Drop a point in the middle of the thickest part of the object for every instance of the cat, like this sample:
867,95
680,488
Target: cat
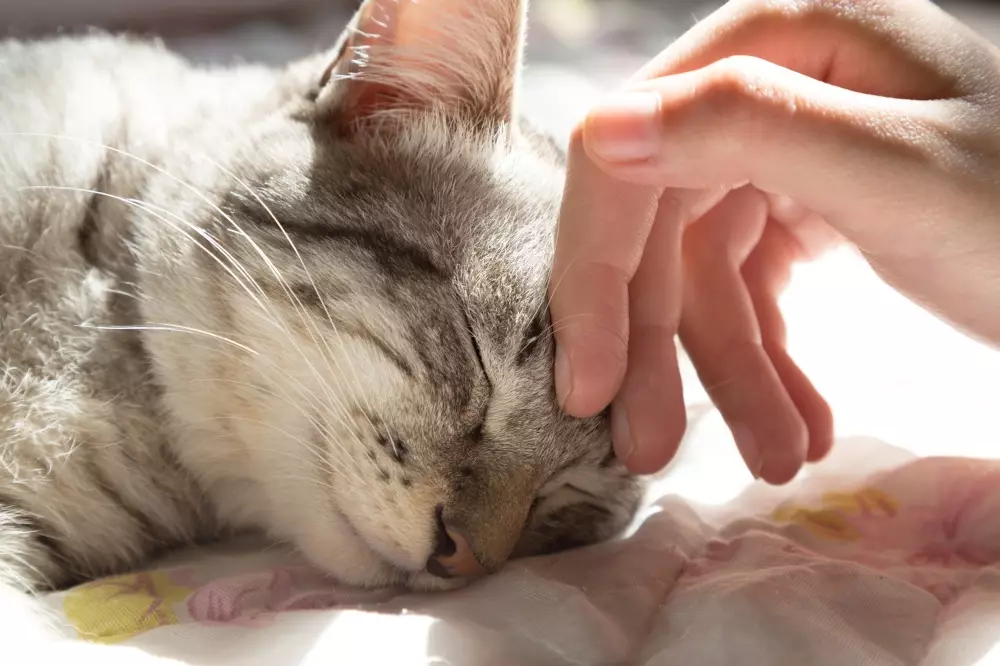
307,301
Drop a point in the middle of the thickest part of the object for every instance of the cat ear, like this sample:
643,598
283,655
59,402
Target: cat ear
457,58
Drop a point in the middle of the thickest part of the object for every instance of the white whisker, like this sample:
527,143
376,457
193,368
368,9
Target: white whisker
153,210
201,195
308,273
173,329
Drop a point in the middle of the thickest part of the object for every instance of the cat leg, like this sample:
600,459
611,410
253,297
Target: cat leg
26,566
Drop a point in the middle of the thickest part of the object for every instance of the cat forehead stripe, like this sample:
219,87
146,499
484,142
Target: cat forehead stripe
394,255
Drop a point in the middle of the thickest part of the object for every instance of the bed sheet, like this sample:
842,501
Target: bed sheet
879,558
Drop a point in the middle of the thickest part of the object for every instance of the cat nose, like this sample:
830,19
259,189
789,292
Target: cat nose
453,555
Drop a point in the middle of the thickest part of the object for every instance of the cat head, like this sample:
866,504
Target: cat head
403,218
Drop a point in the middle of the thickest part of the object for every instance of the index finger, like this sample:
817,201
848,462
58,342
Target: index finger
866,46
603,227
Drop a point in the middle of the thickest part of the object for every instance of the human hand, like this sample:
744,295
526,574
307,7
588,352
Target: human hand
879,120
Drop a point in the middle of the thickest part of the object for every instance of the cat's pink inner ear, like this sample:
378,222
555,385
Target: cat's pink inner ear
459,58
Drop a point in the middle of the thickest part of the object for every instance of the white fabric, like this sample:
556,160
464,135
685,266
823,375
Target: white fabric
878,556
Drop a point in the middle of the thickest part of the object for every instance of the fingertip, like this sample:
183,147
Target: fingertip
821,432
651,402
656,452
589,372
564,376
624,129
659,433
814,410
785,454
621,432
779,474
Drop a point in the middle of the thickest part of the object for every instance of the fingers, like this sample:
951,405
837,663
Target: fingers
766,273
720,331
811,234
649,418
602,231
746,120
818,101
866,46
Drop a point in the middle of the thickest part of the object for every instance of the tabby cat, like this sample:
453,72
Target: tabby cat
308,302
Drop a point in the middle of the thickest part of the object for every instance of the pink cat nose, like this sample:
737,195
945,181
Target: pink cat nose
452,556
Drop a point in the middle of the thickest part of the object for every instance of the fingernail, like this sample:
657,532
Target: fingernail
621,433
625,127
746,442
564,377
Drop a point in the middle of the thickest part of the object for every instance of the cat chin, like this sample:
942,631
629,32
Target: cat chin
337,549
349,559
374,572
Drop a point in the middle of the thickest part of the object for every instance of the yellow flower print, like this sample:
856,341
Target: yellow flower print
831,519
865,502
112,610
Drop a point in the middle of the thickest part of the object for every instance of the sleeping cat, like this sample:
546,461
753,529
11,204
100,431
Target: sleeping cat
309,302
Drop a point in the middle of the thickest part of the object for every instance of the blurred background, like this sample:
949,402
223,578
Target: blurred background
577,48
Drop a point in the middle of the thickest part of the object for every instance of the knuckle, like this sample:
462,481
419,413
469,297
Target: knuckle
735,81
725,238
751,202
959,132
742,96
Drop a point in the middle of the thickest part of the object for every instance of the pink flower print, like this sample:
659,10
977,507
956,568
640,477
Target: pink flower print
253,600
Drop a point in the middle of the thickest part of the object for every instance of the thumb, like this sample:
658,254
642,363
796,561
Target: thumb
745,120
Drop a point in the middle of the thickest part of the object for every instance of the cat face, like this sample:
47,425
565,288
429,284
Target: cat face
412,217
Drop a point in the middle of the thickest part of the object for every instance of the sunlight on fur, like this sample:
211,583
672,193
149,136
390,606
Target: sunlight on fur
305,302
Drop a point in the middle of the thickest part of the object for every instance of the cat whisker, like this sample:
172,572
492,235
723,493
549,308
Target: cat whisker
309,446
547,303
173,329
323,486
154,211
562,323
315,402
330,393
302,389
309,276
178,180
18,248
311,418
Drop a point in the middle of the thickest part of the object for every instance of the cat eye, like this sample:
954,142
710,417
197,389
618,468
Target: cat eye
532,337
479,355
609,458
477,350
578,489
478,433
